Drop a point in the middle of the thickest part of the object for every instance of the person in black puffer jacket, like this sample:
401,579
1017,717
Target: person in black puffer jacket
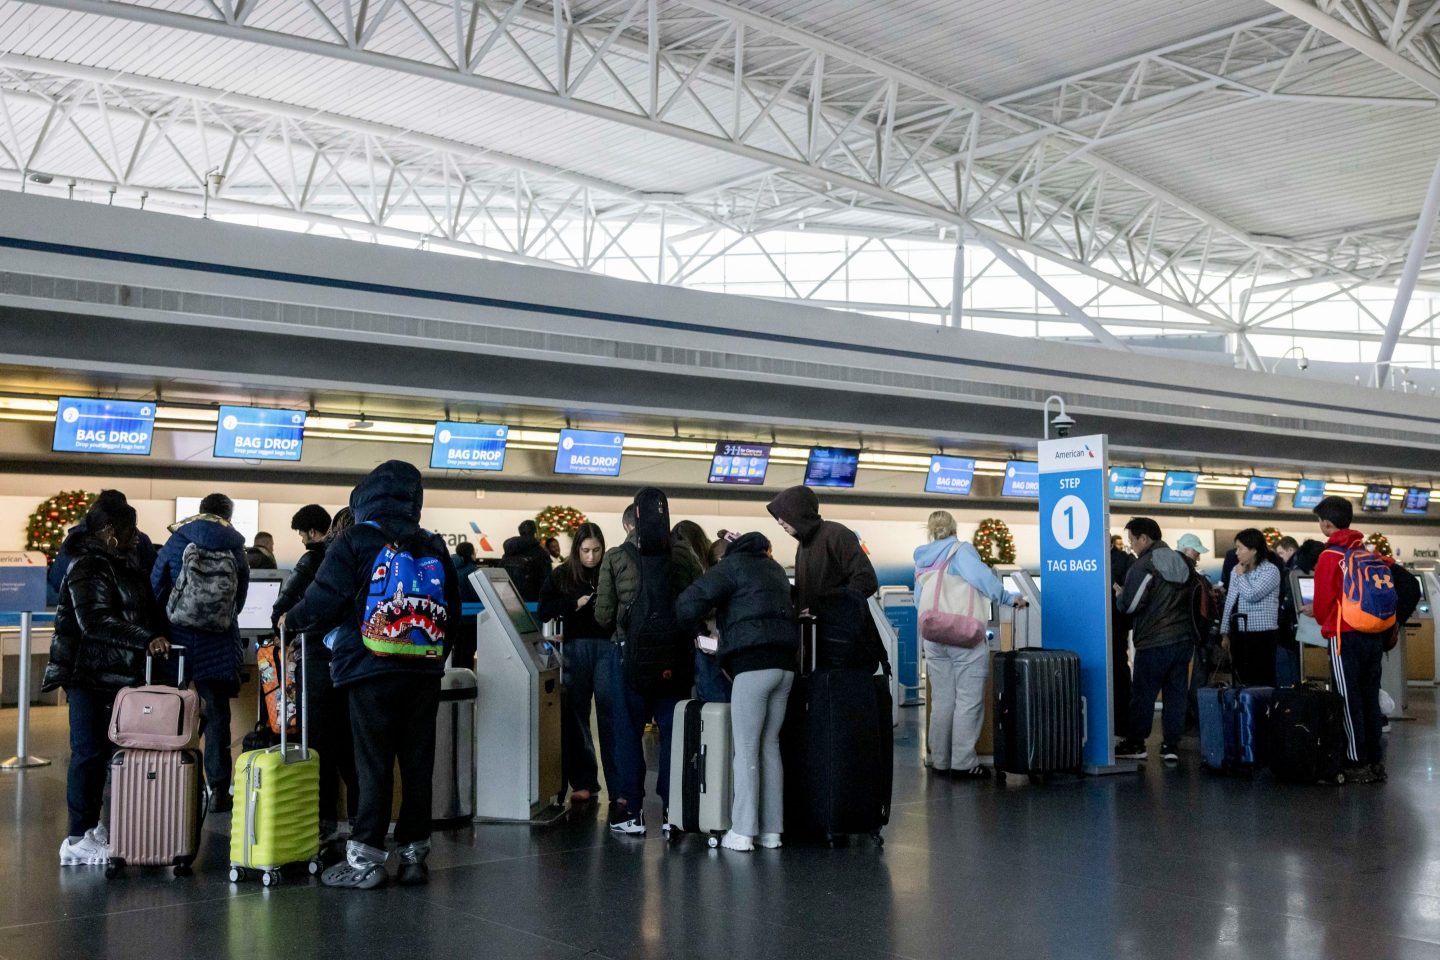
759,646
527,561
393,698
106,621
328,708
569,596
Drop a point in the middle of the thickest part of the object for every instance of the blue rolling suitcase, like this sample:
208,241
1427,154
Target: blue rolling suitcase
1233,726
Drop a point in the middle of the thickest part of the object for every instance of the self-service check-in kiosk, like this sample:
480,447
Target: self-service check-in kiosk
899,606
517,720
1422,666
1315,650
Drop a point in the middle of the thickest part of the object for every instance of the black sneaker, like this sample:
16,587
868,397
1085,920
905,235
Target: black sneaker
622,821
1359,774
1377,770
221,801
1169,753
1130,750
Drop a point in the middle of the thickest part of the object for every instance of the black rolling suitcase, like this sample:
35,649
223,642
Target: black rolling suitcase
1039,721
839,749
1307,735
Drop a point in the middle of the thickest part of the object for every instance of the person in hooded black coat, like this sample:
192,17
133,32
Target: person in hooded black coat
105,623
393,699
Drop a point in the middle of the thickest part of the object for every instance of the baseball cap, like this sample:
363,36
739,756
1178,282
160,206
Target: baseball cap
1192,542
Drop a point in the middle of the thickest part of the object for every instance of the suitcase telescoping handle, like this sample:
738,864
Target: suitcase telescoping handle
179,666
304,701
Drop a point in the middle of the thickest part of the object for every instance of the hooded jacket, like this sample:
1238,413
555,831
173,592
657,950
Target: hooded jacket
750,595
391,497
293,589
144,557
1157,599
528,563
105,619
1328,578
834,579
210,655
620,582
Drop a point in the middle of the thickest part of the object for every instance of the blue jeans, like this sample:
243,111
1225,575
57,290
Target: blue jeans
1287,666
583,658
90,752
1157,669
710,683
632,711
215,728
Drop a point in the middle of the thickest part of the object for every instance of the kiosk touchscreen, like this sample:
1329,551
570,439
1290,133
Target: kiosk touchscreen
264,590
517,722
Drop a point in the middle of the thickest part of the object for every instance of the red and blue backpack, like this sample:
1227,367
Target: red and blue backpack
405,613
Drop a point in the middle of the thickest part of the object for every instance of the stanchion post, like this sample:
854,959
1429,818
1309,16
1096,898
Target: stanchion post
22,759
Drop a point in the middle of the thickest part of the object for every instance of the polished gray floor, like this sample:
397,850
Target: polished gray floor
1170,863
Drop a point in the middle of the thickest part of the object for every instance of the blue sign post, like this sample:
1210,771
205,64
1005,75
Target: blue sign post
1075,561
22,591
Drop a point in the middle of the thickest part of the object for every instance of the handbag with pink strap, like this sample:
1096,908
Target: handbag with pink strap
946,628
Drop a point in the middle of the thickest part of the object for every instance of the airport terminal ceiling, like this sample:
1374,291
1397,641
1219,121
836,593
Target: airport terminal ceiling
1239,179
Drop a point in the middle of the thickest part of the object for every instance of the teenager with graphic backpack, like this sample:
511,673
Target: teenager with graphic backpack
387,591
651,668
1355,606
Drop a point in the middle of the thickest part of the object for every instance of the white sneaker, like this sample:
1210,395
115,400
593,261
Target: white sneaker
86,851
735,841
99,834
770,841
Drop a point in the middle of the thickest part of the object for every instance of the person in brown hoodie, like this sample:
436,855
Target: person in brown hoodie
834,581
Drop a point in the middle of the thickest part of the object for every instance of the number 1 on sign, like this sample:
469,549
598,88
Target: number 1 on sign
1070,523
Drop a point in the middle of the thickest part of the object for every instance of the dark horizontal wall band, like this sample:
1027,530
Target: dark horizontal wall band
256,273
82,339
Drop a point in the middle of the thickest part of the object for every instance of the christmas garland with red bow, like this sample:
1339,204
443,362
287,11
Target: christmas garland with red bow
554,521
994,542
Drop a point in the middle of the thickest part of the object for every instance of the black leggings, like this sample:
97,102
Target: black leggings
1254,657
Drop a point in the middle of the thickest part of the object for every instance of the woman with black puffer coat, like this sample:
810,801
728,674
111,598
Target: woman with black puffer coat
759,646
106,621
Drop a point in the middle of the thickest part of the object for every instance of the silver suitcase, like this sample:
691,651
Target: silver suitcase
702,785
452,787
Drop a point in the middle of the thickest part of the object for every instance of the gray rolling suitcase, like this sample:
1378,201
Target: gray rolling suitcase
1039,719
452,787
702,785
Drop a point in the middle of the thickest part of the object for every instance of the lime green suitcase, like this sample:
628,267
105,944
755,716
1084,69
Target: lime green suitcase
276,818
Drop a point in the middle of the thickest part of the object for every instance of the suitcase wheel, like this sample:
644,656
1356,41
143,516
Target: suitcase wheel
1000,777
114,868
1339,779
713,842
270,878
1039,778
315,865
238,874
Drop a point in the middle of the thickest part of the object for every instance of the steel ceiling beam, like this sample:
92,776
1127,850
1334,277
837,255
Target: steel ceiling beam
1389,35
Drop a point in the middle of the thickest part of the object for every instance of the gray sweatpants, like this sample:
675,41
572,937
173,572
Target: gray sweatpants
757,710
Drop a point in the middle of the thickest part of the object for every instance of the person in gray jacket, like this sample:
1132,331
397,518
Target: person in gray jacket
1156,596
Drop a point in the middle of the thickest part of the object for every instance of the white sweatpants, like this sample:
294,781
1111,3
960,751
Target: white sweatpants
957,707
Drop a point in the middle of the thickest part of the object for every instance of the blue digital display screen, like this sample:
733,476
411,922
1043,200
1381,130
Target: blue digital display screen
1022,479
1127,483
1308,494
1262,492
952,475
589,453
468,446
832,467
742,463
88,425
1377,498
257,433
1179,487
1417,500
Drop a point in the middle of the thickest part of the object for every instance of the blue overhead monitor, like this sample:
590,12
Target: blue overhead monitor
953,475
1022,479
258,433
88,425
1262,492
832,467
741,463
1417,500
1127,483
1308,494
1377,498
468,446
1179,487
589,453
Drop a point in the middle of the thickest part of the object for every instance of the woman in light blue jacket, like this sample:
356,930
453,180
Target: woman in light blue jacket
957,674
